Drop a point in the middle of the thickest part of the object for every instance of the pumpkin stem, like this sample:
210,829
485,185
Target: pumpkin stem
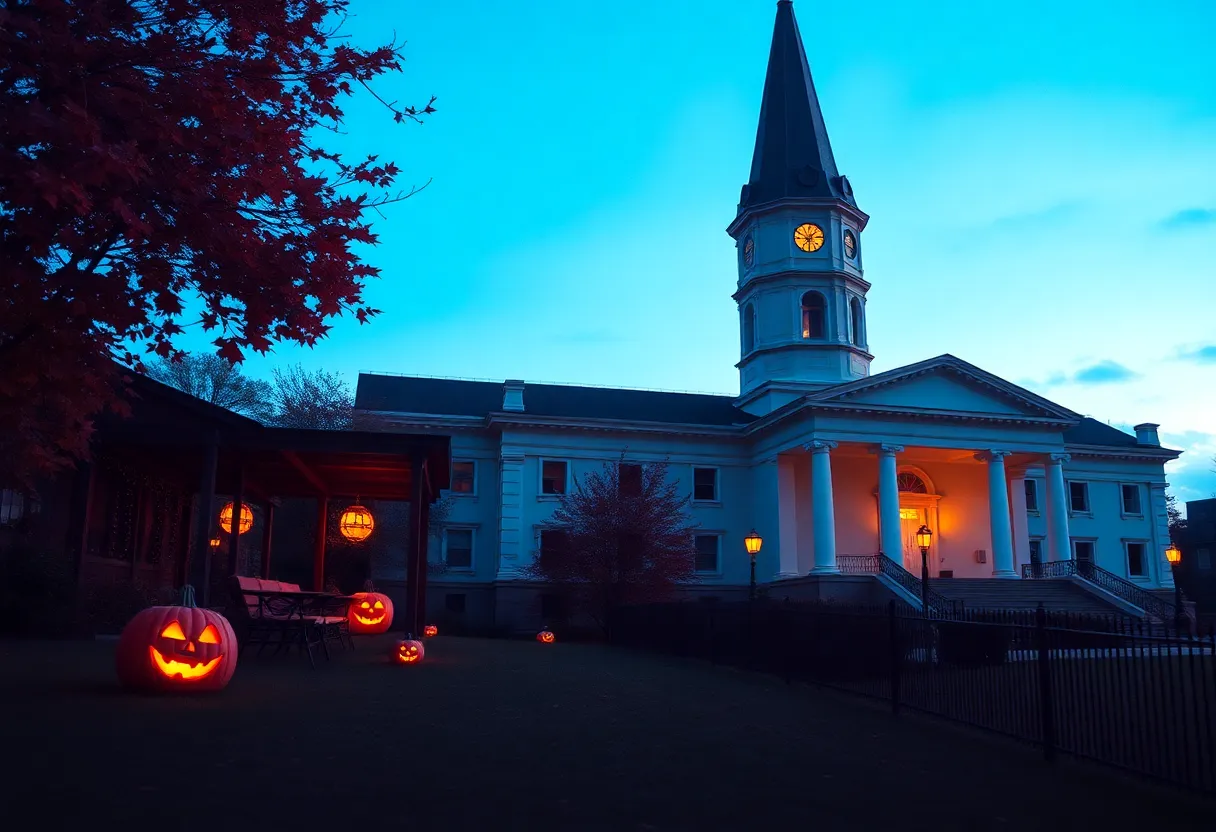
188,596
368,586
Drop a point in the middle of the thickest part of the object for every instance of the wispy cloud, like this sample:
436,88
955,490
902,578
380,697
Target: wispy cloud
1190,218
1200,355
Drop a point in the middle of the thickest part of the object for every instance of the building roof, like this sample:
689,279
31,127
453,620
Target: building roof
793,157
1092,432
454,397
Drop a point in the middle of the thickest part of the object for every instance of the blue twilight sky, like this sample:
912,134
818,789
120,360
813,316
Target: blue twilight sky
1041,179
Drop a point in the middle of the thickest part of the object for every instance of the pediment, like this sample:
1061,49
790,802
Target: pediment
944,385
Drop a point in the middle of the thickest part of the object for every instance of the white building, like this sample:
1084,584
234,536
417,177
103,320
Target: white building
831,465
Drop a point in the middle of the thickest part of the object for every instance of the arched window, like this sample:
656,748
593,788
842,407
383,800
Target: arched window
911,484
813,309
749,328
856,314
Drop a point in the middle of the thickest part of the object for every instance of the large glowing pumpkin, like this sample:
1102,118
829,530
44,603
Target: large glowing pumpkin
546,637
176,649
409,651
370,613
246,519
356,524
430,630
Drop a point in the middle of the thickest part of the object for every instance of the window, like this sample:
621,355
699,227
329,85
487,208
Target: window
1131,498
12,506
1137,563
1083,550
454,602
910,483
855,318
1036,549
1203,559
1032,495
464,478
553,474
458,548
749,328
707,552
1078,497
813,309
705,484
629,480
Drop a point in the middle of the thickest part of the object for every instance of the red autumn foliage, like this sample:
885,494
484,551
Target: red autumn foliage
623,536
163,164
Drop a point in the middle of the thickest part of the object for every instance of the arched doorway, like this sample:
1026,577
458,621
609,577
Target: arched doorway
917,506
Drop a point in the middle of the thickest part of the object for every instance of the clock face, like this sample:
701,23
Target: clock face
808,237
850,244
749,251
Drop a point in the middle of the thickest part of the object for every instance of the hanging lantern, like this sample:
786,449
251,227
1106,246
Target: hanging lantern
226,519
356,523
215,542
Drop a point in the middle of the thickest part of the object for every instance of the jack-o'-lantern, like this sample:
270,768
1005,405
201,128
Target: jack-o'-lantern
408,651
370,613
180,648
546,637
430,630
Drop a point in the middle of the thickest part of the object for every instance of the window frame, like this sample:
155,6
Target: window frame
1123,509
541,494
1031,486
460,527
803,329
1128,542
857,316
1093,548
472,476
717,498
1088,511
717,536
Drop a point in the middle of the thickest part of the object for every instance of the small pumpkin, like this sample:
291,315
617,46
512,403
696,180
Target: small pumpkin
430,630
370,613
177,648
408,651
546,637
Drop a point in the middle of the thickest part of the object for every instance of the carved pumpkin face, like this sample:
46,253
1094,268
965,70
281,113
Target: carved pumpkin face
546,637
430,630
177,648
370,613
409,651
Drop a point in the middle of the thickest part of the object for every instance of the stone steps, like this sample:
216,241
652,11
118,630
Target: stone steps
1057,595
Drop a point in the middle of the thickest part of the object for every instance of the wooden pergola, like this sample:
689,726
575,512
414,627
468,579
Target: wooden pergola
211,450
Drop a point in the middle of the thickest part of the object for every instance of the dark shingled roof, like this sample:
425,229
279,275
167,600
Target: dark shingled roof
451,397
1093,432
793,157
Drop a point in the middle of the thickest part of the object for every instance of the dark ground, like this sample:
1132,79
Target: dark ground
492,735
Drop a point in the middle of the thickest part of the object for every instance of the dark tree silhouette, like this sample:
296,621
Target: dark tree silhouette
215,380
622,536
166,164
315,399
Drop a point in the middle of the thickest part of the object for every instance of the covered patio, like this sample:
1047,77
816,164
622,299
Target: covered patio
175,443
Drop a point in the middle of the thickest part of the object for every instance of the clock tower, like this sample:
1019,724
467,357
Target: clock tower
801,290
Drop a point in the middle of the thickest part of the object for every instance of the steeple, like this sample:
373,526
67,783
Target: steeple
793,158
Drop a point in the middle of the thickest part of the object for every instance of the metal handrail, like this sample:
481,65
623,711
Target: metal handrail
1104,579
880,564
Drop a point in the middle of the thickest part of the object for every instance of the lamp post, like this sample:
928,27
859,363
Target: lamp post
753,542
1174,555
924,539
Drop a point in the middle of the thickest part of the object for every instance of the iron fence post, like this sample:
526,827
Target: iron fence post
1047,714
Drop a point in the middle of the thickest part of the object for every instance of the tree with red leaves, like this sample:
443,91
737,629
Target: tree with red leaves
164,164
623,536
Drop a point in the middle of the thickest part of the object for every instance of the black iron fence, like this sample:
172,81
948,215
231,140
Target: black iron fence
1110,689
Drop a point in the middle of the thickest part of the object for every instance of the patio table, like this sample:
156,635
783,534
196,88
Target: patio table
325,610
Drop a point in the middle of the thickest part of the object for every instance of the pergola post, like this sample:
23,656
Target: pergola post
318,557
199,571
267,536
415,558
234,533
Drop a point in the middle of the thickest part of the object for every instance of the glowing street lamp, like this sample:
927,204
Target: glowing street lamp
1174,555
752,543
924,539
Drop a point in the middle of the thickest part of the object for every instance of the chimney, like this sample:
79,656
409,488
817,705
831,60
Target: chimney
513,395
1146,434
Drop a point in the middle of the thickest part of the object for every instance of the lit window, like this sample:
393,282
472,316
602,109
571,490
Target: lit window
909,514
912,484
464,480
813,310
553,476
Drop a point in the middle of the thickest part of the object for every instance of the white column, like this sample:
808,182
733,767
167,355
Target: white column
1021,524
823,507
787,518
510,512
998,514
890,535
1058,545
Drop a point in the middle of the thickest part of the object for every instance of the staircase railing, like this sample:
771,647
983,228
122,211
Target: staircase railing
879,564
1120,587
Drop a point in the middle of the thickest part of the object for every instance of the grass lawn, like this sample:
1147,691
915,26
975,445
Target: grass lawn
517,735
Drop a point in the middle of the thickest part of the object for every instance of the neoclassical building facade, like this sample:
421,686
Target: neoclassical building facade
834,466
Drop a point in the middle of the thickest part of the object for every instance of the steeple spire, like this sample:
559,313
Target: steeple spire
793,157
